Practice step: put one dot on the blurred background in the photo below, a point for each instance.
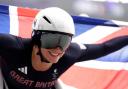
(103, 9)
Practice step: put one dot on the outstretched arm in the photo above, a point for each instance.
(94, 51)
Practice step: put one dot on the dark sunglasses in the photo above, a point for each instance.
(53, 40)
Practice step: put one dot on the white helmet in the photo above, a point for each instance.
(54, 19)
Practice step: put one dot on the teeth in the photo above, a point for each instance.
(54, 54)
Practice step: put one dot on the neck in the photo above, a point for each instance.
(37, 64)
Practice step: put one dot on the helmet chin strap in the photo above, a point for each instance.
(41, 56)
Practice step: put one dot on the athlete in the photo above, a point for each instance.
(37, 62)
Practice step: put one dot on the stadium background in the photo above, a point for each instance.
(106, 9)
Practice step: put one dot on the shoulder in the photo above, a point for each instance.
(76, 46)
(6, 37)
(8, 40)
(74, 51)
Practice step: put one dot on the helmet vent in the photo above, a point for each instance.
(46, 19)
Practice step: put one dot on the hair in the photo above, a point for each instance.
(36, 35)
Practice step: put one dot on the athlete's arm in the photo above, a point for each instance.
(9, 48)
(94, 51)
(5, 42)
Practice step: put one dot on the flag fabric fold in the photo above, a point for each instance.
(108, 72)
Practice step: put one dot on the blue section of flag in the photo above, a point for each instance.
(83, 24)
(81, 28)
(93, 21)
(4, 19)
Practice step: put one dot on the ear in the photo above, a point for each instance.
(35, 48)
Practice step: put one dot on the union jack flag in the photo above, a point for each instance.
(108, 72)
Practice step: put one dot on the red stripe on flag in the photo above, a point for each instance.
(123, 31)
(25, 17)
(87, 78)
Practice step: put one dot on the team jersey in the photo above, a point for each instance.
(16, 65)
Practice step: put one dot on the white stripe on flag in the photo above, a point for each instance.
(14, 24)
(120, 23)
(95, 34)
(103, 65)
